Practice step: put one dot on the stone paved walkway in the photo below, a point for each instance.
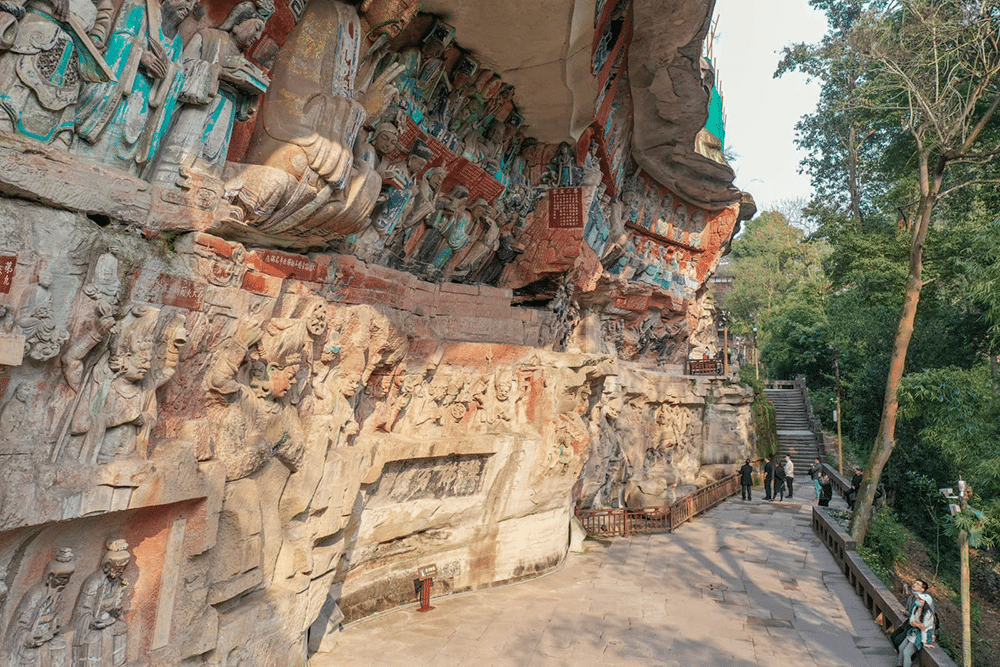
(747, 583)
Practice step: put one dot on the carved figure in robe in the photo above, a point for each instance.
(456, 236)
(472, 112)
(44, 65)
(101, 634)
(450, 211)
(250, 380)
(43, 339)
(507, 251)
(115, 407)
(424, 68)
(426, 192)
(560, 170)
(303, 171)
(487, 239)
(399, 186)
(121, 123)
(327, 416)
(463, 85)
(680, 221)
(500, 408)
(220, 87)
(32, 637)
(571, 434)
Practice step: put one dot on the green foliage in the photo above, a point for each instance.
(771, 259)
(764, 417)
(959, 412)
(906, 84)
(875, 564)
(798, 340)
(886, 538)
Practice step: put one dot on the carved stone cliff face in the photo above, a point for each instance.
(292, 304)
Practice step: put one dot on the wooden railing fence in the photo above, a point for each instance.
(632, 520)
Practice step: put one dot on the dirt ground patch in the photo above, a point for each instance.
(986, 584)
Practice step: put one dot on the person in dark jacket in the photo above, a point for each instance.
(852, 495)
(768, 477)
(825, 490)
(746, 480)
(779, 482)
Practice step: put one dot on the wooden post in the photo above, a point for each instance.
(725, 348)
(963, 546)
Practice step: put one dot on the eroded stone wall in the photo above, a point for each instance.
(275, 456)
(292, 305)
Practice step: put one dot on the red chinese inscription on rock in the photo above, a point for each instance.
(635, 302)
(565, 208)
(8, 266)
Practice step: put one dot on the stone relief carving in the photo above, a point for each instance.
(275, 367)
(43, 337)
(100, 631)
(249, 382)
(33, 634)
(114, 407)
(122, 122)
(220, 87)
(47, 53)
(308, 169)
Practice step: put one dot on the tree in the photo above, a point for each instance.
(938, 63)
(842, 136)
(767, 260)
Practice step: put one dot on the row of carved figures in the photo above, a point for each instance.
(324, 162)
(272, 385)
(124, 89)
(97, 634)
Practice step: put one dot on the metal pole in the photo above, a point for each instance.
(963, 547)
(840, 415)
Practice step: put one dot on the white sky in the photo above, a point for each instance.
(761, 111)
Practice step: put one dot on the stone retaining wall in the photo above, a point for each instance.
(879, 600)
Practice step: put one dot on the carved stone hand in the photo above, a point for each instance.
(155, 60)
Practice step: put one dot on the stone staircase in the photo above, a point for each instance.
(795, 435)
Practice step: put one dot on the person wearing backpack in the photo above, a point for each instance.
(920, 610)
(814, 472)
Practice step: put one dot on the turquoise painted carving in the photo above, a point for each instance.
(220, 87)
(122, 123)
(45, 63)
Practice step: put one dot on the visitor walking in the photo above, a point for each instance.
(779, 482)
(815, 470)
(768, 477)
(789, 474)
(746, 480)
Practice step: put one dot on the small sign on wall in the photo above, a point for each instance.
(565, 208)
(8, 266)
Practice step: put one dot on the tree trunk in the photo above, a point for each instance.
(885, 442)
(854, 186)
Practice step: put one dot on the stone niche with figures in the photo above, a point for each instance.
(296, 298)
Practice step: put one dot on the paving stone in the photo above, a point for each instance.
(745, 584)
